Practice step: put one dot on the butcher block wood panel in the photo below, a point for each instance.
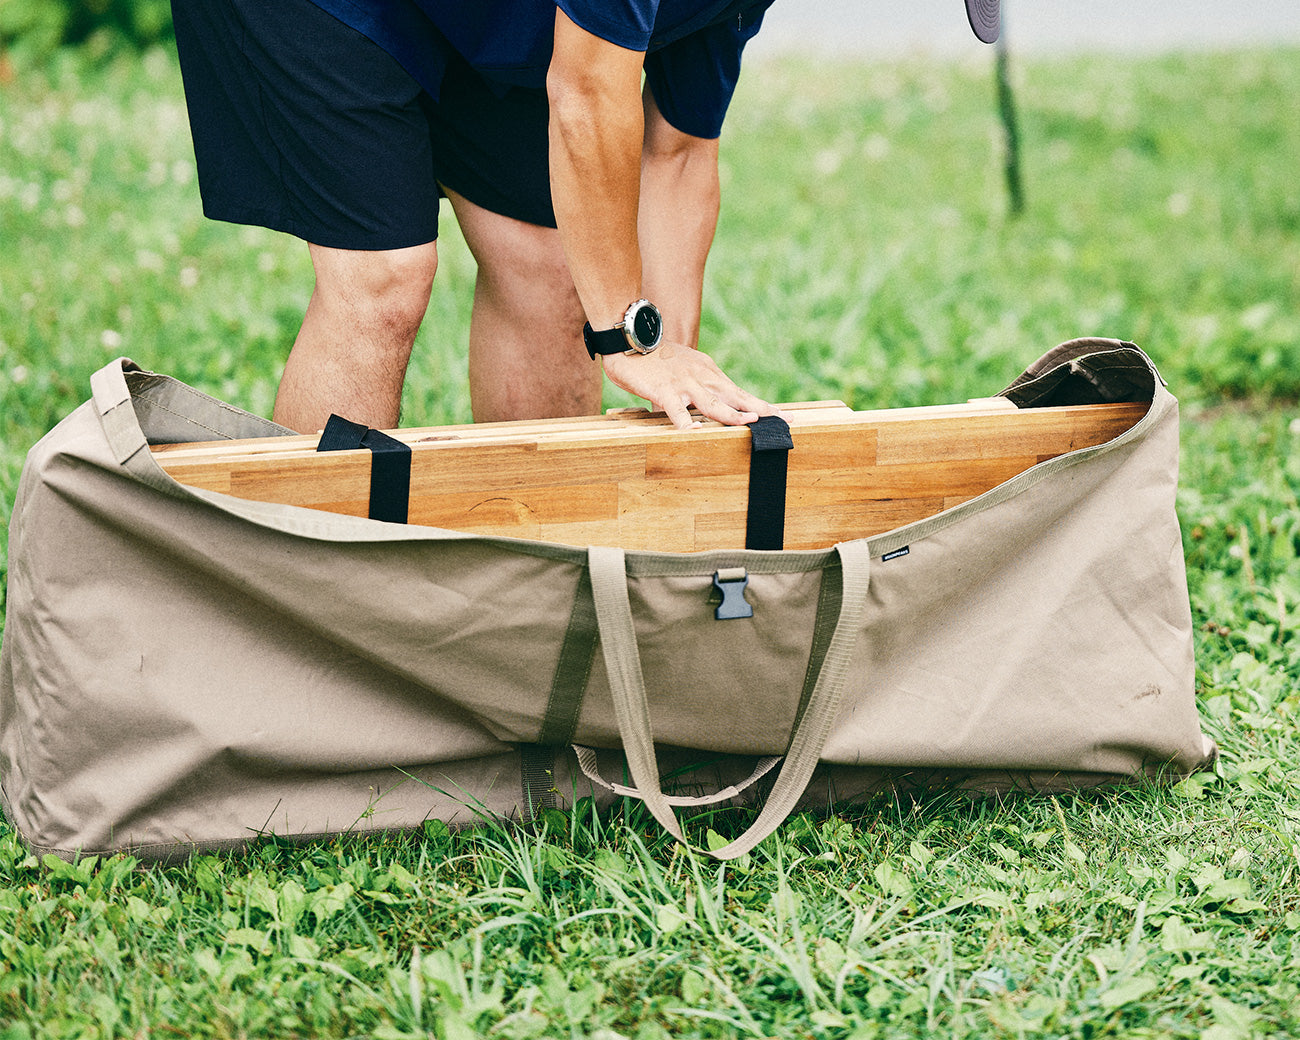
(629, 478)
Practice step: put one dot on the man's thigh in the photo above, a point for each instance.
(490, 144)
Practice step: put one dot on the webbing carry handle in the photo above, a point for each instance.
(590, 766)
(627, 687)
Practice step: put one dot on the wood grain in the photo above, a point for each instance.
(628, 478)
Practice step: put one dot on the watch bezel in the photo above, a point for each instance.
(630, 331)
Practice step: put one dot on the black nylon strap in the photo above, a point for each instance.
(607, 341)
(770, 443)
(390, 465)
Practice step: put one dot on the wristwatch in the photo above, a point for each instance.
(640, 331)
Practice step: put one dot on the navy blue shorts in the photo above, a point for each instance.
(303, 125)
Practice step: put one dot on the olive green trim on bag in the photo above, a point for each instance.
(1085, 371)
(829, 601)
(537, 779)
(577, 653)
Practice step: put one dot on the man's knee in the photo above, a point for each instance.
(534, 276)
(391, 286)
(516, 261)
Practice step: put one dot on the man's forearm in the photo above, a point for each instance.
(596, 133)
(678, 216)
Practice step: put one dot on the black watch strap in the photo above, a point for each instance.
(610, 341)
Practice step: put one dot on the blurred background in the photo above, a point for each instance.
(939, 26)
(835, 26)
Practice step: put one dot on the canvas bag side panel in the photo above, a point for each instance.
(669, 609)
(731, 686)
(173, 644)
(26, 665)
(370, 802)
(20, 667)
(148, 681)
(1000, 616)
(522, 590)
(1048, 631)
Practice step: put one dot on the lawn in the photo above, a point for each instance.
(866, 253)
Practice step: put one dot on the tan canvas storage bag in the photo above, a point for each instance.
(182, 669)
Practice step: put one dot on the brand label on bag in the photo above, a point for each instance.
(895, 554)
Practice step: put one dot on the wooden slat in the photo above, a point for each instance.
(628, 478)
(630, 422)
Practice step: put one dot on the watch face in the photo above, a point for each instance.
(647, 326)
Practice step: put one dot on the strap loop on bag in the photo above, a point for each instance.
(112, 400)
(770, 444)
(627, 686)
(390, 465)
(121, 426)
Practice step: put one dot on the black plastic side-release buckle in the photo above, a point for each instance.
(390, 465)
(731, 582)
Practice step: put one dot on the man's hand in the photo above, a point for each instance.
(599, 123)
(675, 376)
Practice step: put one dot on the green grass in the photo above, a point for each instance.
(865, 254)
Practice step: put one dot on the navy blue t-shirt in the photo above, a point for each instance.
(692, 47)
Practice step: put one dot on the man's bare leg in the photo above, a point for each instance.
(526, 356)
(351, 353)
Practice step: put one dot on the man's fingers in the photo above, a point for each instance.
(675, 409)
(747, 402)
(715, 408)
(676, 379)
